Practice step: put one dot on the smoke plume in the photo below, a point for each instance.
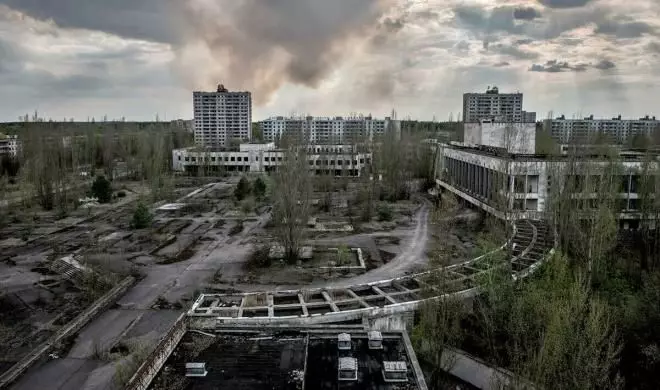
(259, 45)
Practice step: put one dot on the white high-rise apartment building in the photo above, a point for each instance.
(222, 116)
(325, 130)
(616, 130)
(493, 105)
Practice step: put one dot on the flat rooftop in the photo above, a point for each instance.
(290, 360)
(624, 155)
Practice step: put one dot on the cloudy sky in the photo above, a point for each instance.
(140, 58)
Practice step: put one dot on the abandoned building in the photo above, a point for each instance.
(341, 160)
(253, 358)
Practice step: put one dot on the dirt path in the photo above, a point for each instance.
(411, 257)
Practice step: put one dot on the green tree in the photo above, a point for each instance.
(385, 212)
(242, 189)
(259, 188)
(141, 217)
(102, 189)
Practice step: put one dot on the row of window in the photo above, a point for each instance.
(272, 159)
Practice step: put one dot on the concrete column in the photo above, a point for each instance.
(484, 178)
(489, 184)
(629, 191)
(271, 311)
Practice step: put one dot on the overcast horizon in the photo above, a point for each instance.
(141, 58)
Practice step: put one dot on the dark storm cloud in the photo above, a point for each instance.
(526, 41)
(605, 64)
(526, 13)
(500, 19)
(483, 21)
(564, 3)
(512, 51)
(555, 66)
(10, 57)
(152, 20)
(653, 47)
(623, 28)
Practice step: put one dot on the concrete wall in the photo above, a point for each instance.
(514, 137)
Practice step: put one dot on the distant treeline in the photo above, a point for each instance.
(81, 127)
(444, 131)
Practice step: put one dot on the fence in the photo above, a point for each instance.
(150, 368)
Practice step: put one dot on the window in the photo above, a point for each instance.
(233, 158)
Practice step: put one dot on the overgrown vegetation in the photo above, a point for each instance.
(259, 188)
(589, 317)
(102, 189)
(291, 200)
(142, 217)
(243, 189)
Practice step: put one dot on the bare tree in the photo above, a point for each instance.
(291, 197)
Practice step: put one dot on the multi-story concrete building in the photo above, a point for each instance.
(222, 116)
(503, 107)
(522, 185)
(528, 117)
(616, 130)
(340, 160)
(326, 130)
(9, 145)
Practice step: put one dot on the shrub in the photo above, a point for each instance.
(102, 189)
(242, 189)
(141, 217)
(259, 258)
(259, 188)
(384, 212)
(247, 206)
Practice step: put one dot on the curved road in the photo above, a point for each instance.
(413, 255)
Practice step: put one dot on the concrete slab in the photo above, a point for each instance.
(58, 374)
(103, 332)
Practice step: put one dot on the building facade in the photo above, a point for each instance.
(222, 116)
(339, 160)
(616, 130)
(512, 137)
(522, 185)
(528, 117)
(326, 131)
(503, 107)
(9, 145)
